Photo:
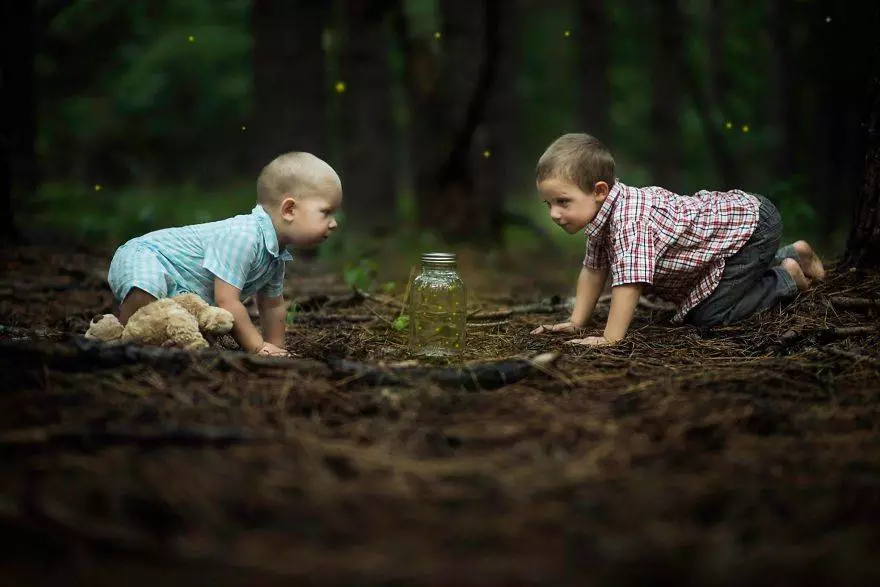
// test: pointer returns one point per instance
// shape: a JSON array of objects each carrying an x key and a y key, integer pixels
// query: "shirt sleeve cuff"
[{"x": 223, "y": 273}]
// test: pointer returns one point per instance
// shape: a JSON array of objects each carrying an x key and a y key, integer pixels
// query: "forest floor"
[{"x": 742, "y": 455}]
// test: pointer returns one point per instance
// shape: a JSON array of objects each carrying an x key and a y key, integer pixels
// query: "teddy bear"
[{"x": 176, "y": 321}]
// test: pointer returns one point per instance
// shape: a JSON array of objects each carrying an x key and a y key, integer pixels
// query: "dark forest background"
[{"x": 148, "y": 114}]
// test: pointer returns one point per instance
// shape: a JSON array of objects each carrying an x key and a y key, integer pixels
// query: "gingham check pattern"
[
  {"x": 242, "y": 251},
  {"x": 676, "y": 244}
]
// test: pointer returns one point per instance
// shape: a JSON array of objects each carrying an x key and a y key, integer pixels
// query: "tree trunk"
[
  {"x": 719, "y": 79},
  {"x": 593, "y": 109},
  {"x": 368, "y": 149},
  {"x": 863, "y": 247},
  {"x": 449, "y": 91},
  {"x": 707, "y": 96},
  {"x": 290, "y": 86},
  {"x": 783, "y": 103},
  {"x": 841, "y": 42},
  {"x": 666, "y": 84},
  {"x": 18, "y": 161},
  {"x": 498, "y": 136}
]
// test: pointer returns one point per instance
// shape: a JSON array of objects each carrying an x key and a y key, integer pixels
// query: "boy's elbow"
[
  {"x": 226, "y": 295},
  {"x": 226, "y": 300},
  {"x": 226, "y": 303}
]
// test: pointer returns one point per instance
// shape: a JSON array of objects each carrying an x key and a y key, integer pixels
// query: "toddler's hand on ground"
[
  {"x": 561, "y": 327},
  {"x": 271, "y": 350}
]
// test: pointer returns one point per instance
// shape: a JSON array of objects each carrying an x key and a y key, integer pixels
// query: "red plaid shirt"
[{"x": 676, "y": 244}]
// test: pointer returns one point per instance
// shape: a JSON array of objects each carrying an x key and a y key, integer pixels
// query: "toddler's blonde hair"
[{"x": 296, "y": 173}]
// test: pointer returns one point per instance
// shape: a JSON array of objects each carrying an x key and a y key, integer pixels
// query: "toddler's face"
[
  {"x": 569, "y": 206},
  {"x": 313, "y": 220}
]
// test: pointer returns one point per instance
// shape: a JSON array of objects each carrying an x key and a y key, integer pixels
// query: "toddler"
[
  {"x": 224, "y": 261},
  {"x": 714, "y": 254}
]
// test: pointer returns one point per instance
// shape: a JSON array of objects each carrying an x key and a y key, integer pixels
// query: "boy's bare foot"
[
  {"x": 794, "y": 269},
  {"x": 809, "y": 261}
]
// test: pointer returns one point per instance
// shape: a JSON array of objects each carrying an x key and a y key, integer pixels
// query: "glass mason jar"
[{"x": 437, "y": 307}]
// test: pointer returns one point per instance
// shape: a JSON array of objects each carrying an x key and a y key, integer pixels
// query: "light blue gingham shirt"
[{"x": 242, "y": 251}]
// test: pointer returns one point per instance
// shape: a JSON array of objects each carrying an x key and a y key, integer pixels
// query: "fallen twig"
[
  {"x": 822, "y": 335},
  {"x": 491, "y": 375},
  {"x": 851, "y": 303},
  {"x": 30, "y": 438},
  {"x": 555, "y": 305},
  {"x": 319, "y": 301},
  {"x": 851, "y": 355},
  {"x": 329, "y": 318},
  {"x": 18, "y": 332},
  {"x": 489, "y": 324},
  {"x": 835, "y": 332},
  {"x": 539, "y": 308},
  {"x": 381, "y": 299},
  {"x": 87, "y": 355}
]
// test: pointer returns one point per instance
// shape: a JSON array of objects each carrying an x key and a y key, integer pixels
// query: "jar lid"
[{"x": 439, "y": 258}]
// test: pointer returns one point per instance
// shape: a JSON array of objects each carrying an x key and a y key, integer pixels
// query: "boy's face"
[
  {"x": 308, "y": 220},
  {"x": 569, "y": 206}
]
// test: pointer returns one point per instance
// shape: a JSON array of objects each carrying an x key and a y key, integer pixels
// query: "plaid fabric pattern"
[
  {"x": 135, "y": 266},
  {"x": 242, "y": 251},
  {"x": 675, "y": 244}
]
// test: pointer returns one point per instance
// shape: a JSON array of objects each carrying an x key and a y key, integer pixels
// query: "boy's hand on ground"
[
  {"x": 271, "y": 350},
  {"x": 561, "y": 327},
  {"x": 590, "y": 341}
]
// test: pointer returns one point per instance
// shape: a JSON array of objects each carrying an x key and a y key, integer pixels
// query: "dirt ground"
[{"x": 743, "y": 455}]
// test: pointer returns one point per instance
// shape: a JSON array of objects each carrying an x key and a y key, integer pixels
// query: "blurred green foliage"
[
  {"x": 145, "y": 92},
  {"x": 292, "y": 310},
  {"x": 401, "y": 323},
  {"x": 110, "y": 214},
  {"x": 151, "y": 102},
  {"x": 361, "y": 274}
]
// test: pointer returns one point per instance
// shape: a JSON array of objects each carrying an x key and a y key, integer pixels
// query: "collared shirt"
[
  {"x": 242, "y": 251},
  {"x": 677, "y": 244}
]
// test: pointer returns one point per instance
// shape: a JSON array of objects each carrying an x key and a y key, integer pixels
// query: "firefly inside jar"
[{"x": 438, "y": 307}]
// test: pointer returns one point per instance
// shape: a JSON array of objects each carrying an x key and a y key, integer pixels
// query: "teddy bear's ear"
[{"x": 97, "y": 319}]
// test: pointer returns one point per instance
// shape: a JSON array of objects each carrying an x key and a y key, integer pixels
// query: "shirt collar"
[
  {"x": 270, "y": 237},
  {"x": 595, "y": 226}
]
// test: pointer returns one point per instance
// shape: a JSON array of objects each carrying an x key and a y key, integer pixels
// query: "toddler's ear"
[{"x": 288, "y": 207}]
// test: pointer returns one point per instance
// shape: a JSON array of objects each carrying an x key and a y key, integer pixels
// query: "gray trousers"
[{"x": 752, "y": 278}]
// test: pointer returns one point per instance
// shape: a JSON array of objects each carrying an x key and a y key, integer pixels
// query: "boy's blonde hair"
[
  {"x": 296, "y": 173},
  {"x": 577, "y": 157}
]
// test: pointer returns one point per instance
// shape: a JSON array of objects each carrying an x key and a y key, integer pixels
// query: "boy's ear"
[
  {"x": 288, "y": 207},
  {"x": 601, "y": 190}
]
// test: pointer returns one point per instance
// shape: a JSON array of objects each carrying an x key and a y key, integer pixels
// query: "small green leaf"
[
  {"x": 401, "y": 322},
  {"x": 360, "y": 276},
  {"x": 290, "y": 318}
]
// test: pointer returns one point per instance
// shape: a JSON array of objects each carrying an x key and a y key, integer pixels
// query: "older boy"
[
  {"x": 714, "y": 254},
  {"x": 224, "y": 261}
]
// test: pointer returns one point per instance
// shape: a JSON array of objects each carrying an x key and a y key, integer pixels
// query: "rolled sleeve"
[
  {"x": 633, "y": 255},
  {"x": 275, "y": 286},
  {"x": 231, "y": 255}
]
